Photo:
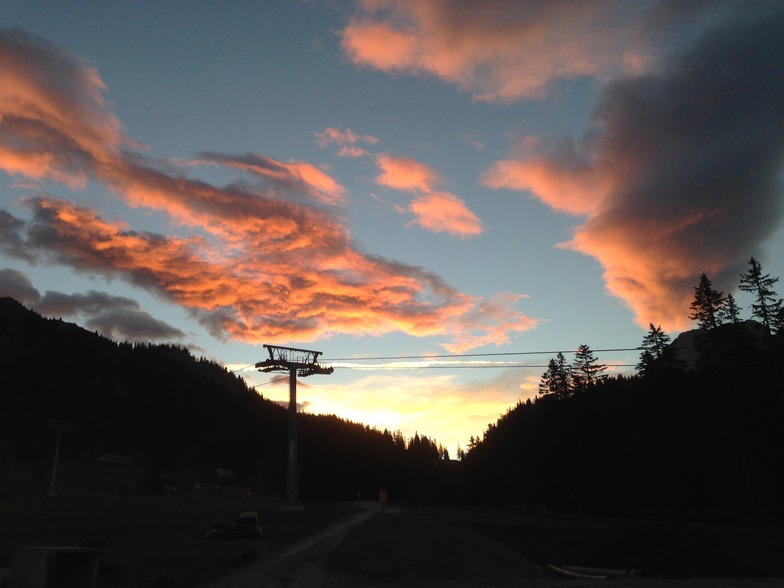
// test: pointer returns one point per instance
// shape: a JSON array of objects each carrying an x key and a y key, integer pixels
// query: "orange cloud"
[
  {"x": 259, "y": 261},
  {"x": 381, "y": 45},
  {"x": 58, "y": 128},
  {"x": 404, "y": 173},
  {"x": 257, "y": 296},
  {"x": 294, "y": 175},
  {"x": 443, "y": 212},
  {"x": 273, "y": 223},
  {"x": 643, "y": 266},
  {"x": 494, "y": 50},
  {"x": 573, "y": 191},
  {"x": 440, "y": 212}
]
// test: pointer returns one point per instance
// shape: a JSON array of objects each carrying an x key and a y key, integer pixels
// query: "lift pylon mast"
[{"x": 302, "y": 363}]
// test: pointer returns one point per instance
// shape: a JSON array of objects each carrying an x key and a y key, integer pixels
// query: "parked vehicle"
[{"x": 246, "y": 527}]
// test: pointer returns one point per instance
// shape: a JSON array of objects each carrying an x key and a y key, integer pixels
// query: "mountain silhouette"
[{"x": 163, "y": 407}]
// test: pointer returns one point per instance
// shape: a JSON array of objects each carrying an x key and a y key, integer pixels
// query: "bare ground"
[
  {"x": 436, "y": 547},
  {"x": 159, "y": 541}
]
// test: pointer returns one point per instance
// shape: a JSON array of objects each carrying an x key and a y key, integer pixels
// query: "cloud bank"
[
  {"x": 496, "y": 50},
  {"x": 115, "y": 317},
  {"x": 681, "y": 174},
  {"x": 264, "y": 259},
  {"x": 17, "y": 285}
]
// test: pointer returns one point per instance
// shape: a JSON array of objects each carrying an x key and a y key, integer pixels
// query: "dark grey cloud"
[
  {"x": 17, "y": 285},
  {"x": 133, "y": 324},
  {"x": 681, "y": 173},
  {"x": 11, "y": 240},
  {"x": 702, "y": 145},
  {"x": 115, "y": 317}
]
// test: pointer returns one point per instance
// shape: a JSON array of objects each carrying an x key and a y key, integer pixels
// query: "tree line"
[
  {"x": 699, "y": 439},
  {"x": 710, "y": 309}
]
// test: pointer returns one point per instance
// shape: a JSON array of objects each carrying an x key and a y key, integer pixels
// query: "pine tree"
[
  {"x": 585, "y": 369},
  {"x": 555, "y": 380},
  {"x": 656, "y": 352},
  {"x": 653, "y": 346},
  {"x": 767, "y": 307},
  {"x": 730, "y": 312},
  {"x": 706, "y": 305}
]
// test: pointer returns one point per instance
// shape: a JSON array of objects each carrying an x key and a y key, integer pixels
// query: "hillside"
[
  {"x": 171, "y": 411},
  {"x": 697, "y": 440},
  {"x": 156, "y": 403}
]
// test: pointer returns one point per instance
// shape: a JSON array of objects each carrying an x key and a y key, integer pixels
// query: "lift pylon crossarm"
[
  {"x": 284, "y": 359},
  {"x": 303, "y": 370},
  {"x": 292, "y": 355}
]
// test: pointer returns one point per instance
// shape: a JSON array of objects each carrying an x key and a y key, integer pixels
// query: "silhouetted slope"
[
  {"x": 160, "y": 404},
  {"x": 704, "y": 442},
  {"x": 153, "y": 401}
]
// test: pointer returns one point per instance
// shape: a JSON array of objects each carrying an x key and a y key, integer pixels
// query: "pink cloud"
[
  {"x": 559, "y": 183},
  {"x": 439, "y": 212},
  {"x": 346, "y": 139},
  {"x": 404, "y": 173},
  {"x": 381, "y": 45},
  {"x": 442, "y": 212},
  {"x": 56, "y": 127},
  {"x": 495, "y": 50},
  {"x": 293, "y": 175},
  {"x": 258, "y": 261}
]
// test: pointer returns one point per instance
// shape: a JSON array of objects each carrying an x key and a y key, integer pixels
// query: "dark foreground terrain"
[
  {"x": 151, "y": 541},
  {"x": 658, "y": 548}
]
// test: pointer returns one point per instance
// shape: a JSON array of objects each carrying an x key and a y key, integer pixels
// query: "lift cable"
[
  {"x": 459, "y": 355},
  {"x": 464, "y": 367}
]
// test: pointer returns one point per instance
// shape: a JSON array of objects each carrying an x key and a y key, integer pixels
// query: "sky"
[{"x": 437, "y": 195}]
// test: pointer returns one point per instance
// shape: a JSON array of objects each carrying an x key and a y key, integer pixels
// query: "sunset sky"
[{"x": 439, "y": 181}]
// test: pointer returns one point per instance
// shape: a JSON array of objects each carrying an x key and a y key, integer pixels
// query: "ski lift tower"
[{"x": 302, "y": 363}]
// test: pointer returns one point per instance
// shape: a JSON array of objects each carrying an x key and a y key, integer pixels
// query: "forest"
[
  {"x": 168, "y": 410},
  {"x": 697, "y": 432}
]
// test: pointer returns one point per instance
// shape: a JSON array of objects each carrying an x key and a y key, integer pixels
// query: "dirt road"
[{"x": 301, "y": 564}]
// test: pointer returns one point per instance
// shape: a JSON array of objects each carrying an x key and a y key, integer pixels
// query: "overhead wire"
[
  {"x": 449, "y": 367},
  {"x": 243, "y": 368},
  {"x": 447, "y": 356},
  {"x": 461, "y": 355}
]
